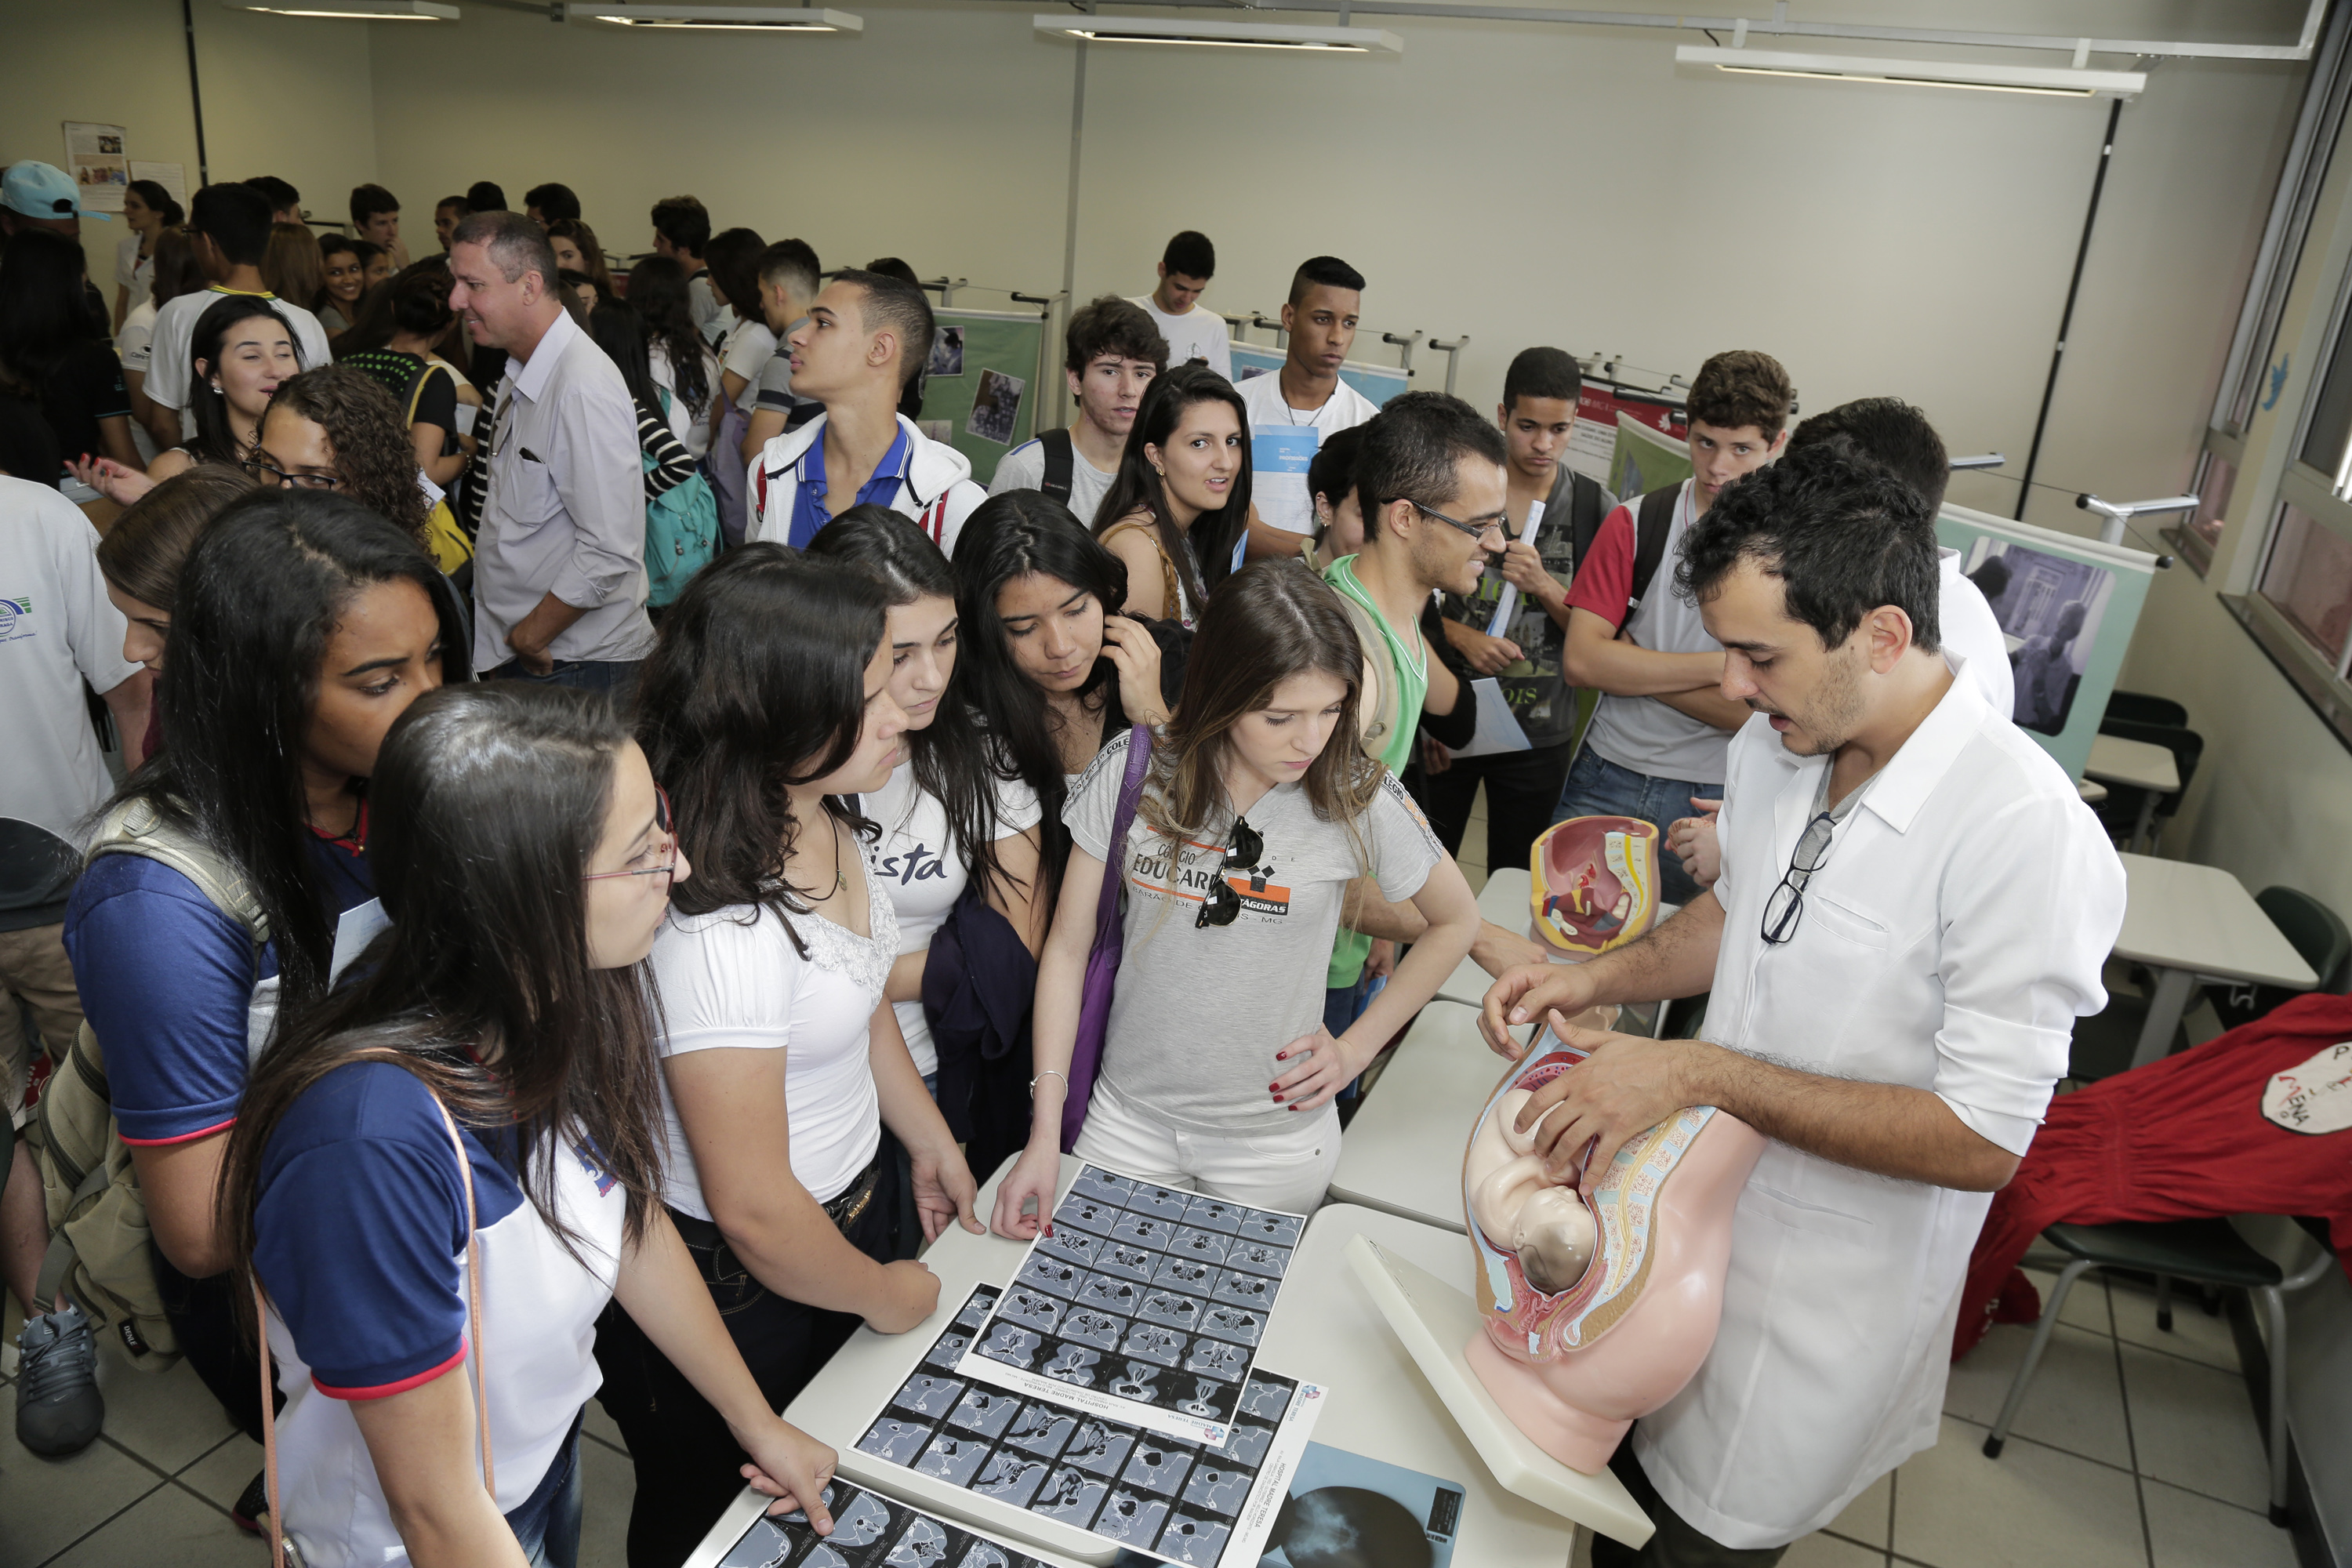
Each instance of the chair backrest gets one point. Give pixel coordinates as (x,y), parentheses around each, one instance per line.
(2185,746)
(2141,708)
(2316,931)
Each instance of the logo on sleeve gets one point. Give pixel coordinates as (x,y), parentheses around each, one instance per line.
(11,612)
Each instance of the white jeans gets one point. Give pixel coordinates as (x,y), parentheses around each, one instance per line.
(1285,1170)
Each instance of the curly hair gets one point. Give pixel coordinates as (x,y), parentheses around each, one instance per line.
(1741,388)
(374,458)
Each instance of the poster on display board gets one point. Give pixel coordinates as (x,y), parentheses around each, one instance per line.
(1643,460)
(96,158)
(1592,442)
(2067,608)
(1378,383)
(983,368)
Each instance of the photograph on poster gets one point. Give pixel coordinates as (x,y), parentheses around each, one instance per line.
(996,406)
(946,351)
(94,154)
(869,1530)
(1175,1501)
(1144,1305)
(2049,608)
(1339,1496)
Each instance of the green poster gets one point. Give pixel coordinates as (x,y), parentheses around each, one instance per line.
(985,383)
(1645,460)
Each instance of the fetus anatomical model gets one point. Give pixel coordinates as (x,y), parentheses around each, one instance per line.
(1595,882)
(1595,1316)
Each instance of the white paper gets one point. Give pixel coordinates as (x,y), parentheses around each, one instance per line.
(173,177)
(1507,604)
(1498,727)
(353,931)
(94,158)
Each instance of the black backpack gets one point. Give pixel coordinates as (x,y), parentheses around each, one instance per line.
(1652,520)
(1059,457)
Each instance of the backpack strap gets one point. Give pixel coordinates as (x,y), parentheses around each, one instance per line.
(136,827)
(1652,523)
(1387,708)
(1061,458)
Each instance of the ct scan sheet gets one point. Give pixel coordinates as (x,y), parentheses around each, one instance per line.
(869,1530)
(1174,1498)
(1144,1307)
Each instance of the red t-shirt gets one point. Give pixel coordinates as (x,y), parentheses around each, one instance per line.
(1604,578)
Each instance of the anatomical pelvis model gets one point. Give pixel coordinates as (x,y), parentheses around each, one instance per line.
(1595,882)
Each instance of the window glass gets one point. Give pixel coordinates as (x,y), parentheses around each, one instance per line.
(2310,580)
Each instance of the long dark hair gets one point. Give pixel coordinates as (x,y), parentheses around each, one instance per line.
(757,683)
(177,270)
(659,289)
(215,441)
(240,682)
(414,300)
(489,803)
(336,244)
(152,193)
(1138,488)
(42,314)
(620,332)
(1010,536)
(1271,621)
(955,760)
(376,461)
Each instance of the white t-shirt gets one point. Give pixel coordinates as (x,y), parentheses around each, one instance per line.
(175,329)
(1283,441)
(703,300)
(733,979)
(692,432)
(1198,333)
(922,872)
(57,628)
(747,351)
(135,342)
(1023,468)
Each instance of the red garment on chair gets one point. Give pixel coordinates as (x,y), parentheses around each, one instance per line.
(2184,1138)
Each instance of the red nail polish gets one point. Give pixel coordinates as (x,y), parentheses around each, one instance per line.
(1277,1099)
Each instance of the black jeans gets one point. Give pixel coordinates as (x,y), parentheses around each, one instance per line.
(1677,1543)
(687,1460)
(225,1355)
(1521,789)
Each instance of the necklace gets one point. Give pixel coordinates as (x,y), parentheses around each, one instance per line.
(840,877)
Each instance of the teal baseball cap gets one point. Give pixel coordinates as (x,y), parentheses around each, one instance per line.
(44,191)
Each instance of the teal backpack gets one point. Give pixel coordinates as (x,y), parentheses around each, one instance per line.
(681,531)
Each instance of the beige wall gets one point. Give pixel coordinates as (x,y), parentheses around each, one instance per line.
(280,98)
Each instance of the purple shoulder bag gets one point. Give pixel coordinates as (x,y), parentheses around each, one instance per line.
(1102,959)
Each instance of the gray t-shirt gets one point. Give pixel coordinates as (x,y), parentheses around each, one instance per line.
(1023,468)
(1198,1014)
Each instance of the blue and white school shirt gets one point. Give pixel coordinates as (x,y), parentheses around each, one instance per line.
(359,1241)
(171,984)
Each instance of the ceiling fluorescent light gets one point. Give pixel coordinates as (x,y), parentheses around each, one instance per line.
(721,19)
(1221,34)
(2050,81)
(352,10)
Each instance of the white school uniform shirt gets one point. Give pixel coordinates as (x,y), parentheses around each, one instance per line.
(1972,634)
(1950,941)
(1283,441)
(1199,333)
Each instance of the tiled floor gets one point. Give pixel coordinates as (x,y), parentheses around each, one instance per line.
(2135,1449)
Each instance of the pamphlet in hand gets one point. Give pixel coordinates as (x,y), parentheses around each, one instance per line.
(1144,1306)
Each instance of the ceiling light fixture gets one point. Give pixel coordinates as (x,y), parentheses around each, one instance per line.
(353,10)
(1221,34)
(721,19)
(2050,81)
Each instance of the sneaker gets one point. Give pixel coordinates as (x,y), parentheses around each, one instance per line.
(251,1513)
(58,1408)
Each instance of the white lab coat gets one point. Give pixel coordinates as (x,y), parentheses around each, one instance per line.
(1949,942)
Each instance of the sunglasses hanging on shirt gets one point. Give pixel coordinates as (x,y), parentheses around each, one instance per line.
(1221,906)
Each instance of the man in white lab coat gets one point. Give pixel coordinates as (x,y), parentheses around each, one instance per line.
(1913,910)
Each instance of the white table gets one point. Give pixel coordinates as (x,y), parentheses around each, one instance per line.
(1402,1152)
(1326,1330)
(2140,763)
(2190,923)
(1504,901)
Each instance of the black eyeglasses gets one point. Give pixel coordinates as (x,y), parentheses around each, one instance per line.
(1477,527)
(1221,906)
(264,473)
(1786,906)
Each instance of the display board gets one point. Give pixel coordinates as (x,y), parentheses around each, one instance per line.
(2067,608)
(985,383)
(1378,383)
(1645,459)
(1592,440)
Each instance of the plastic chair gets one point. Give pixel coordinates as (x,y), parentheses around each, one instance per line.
(2140,708)
(2314,932)
(2129,811)
(2202,1251)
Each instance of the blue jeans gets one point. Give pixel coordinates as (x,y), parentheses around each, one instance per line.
(547,1523)
(615,678)
(1599,787)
